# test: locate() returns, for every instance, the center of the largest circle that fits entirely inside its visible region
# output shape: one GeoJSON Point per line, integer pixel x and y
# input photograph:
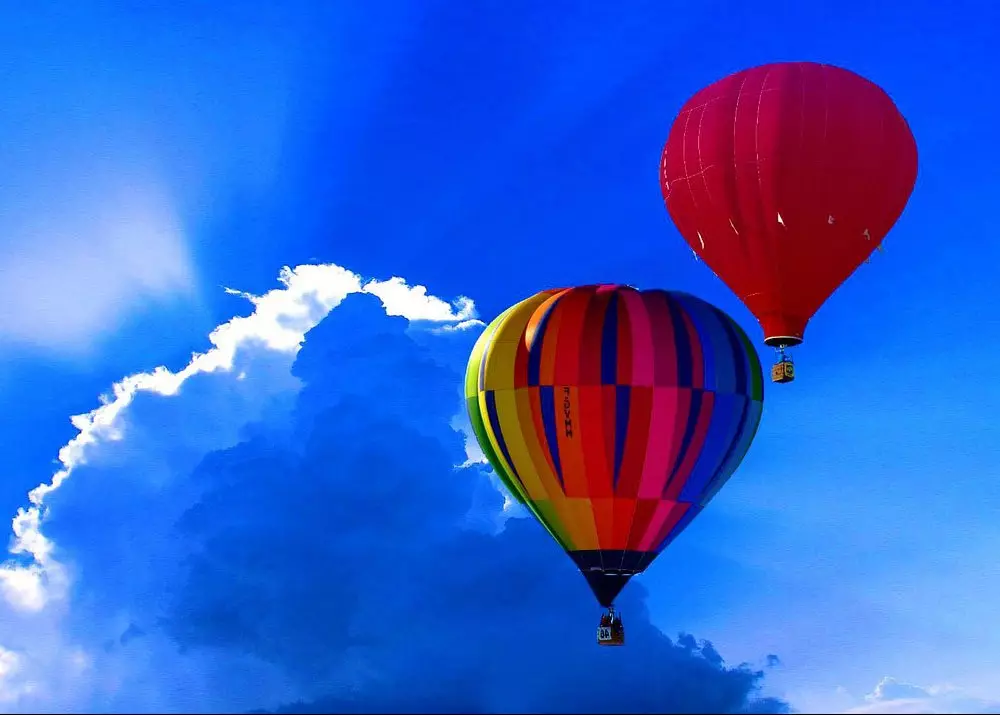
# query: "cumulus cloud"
{"type": "Point", "coordinates": [892, 697]}
{"type": "Point", "coordinates": [292, 522]}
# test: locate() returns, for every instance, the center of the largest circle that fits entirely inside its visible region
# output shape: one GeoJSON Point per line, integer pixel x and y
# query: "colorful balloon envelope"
{"type": "Point", "coordinates": [784, 178]}
{"type": "Point", "coordinates": [614, 415]}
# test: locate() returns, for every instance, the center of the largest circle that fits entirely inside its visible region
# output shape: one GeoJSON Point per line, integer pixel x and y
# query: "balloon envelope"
{"type": "Point", "coordinates": [783, 179]}
{"type": "Point", "coordinates": [614, 415]}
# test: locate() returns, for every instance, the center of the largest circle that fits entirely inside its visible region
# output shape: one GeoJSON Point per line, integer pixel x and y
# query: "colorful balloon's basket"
{"type": "Point", "coordinates": [612, 633]}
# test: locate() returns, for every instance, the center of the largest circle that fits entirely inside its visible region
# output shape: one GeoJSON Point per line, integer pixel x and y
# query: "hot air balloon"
{"type": "Point", "coordinates": [784, 178]}
{"type": "Point", "coordinates": [614, 415]}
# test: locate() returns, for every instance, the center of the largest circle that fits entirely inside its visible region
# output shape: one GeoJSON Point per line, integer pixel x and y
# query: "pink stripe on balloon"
{"type": "Point", "coordinates": [642, 338]}
{"type": "Point", "coordinates": [665, 518]}
{"type": "Point", "coordinates": [660, 445]}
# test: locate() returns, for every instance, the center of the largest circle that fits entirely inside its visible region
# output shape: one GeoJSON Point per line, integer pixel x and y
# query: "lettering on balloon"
{"type": "Point", "coordinates": [567, 418]}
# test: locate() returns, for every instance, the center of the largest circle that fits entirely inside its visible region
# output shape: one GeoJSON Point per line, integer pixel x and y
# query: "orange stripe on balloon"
{"type": "Point", "coordinates": [571, 454]}
{"type": "Point", "coordinates": [538, 433]}
{"type": "Point", "coordinates": [527, 405]}
{"type": "Point", "coordinates": [604, 521]}
{"type": "Point", "coordinates": [582, 528]}
{"type": "Point", "coordinates": [550, 344]}
{"type": "Point", "coordinates": [531, 329]}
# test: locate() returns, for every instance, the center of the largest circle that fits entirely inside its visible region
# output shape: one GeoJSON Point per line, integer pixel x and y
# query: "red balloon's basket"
{"type": "Point", "coordinates": [783, 371]}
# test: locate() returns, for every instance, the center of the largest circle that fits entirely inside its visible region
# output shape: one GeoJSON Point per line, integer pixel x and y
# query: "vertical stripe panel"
{"type": "Point", "coordinates": [615, 414]}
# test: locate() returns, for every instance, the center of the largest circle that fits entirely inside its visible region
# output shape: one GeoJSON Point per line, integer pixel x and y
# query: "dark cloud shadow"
{"type": "Point", "coordinates": [337, 550]}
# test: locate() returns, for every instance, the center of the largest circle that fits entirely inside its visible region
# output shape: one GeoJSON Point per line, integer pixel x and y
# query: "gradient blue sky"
{"type": "Point", "coordinates": [153, 154]}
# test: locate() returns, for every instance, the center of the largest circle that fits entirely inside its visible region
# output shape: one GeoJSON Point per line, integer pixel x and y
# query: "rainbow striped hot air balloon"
{"type": "Point", "coordinates": [614, 415]}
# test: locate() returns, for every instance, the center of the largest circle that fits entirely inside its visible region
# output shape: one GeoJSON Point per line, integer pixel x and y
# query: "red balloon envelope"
{"type": "Point", "coordinates": [784, 178]}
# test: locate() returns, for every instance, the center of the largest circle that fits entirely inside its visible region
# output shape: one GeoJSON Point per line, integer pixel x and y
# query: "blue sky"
{"type": "Point", "coordinates": [226, 532]}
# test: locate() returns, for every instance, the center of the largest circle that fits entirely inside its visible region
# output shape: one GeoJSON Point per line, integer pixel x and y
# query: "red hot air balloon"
{"type": "Point", "coordinates": [784, 178]}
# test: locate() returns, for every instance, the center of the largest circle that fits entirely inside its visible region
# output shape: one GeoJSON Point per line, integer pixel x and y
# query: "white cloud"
{"type": "Point", "coordinates": [10, 666]}
{"type": "Point", "coordinates": [414, 303]}
{"type": "Point", "coordinates": [41, 661]}
{"type": "Point", "coordinates": [892, 697]}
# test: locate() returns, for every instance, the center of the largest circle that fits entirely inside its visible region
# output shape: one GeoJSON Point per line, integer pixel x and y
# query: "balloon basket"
{"type": "Point", "coordinates": [611, 631]}
{"type": "Point", "coordinates": [783, 371]}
